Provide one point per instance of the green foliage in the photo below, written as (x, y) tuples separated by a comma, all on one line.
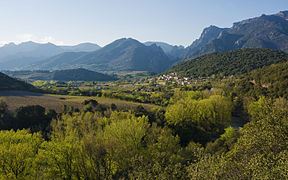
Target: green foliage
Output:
[(263, 140), (117, 145), (18, 151), (162, 158), (191, 138), (224, 143), (126, 132), (269, 81), (59, 157), (229, 63), (259, 153), (208, 116)]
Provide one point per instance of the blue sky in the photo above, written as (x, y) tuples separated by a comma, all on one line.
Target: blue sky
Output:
[(177, 22)]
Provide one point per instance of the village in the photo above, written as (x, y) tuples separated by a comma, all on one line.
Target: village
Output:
[(173, 77)]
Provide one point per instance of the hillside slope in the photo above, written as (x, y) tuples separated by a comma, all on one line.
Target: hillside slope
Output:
[(79, 75), (233, 62), (271, 81), (61, 75), (8, 83)]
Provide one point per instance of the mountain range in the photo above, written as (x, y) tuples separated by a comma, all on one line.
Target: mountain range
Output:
[(127, 54), (16, 56), (122, 55), (173, 52), (266, 31)]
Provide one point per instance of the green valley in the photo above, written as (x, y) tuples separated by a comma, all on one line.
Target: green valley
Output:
[(216, 109)]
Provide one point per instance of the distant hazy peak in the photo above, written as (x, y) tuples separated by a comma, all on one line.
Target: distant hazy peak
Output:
[(11, 44), (82, 47), (124, 42), (167, 48)]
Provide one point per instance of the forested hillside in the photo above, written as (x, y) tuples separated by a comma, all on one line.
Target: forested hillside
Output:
[(79, 74), (8, 83), (229, 63), (271, 81)]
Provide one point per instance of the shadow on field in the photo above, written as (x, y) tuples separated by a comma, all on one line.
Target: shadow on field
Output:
[(19, 93)]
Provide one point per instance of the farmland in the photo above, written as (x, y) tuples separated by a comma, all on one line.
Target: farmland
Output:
[(16, 99)]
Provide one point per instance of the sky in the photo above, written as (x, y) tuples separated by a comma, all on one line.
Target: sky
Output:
[(69, 22)]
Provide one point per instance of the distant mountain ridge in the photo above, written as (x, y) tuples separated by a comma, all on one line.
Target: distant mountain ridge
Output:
[(174, 52), (15, 56), (266, 31), (82, 47), (122, 55)]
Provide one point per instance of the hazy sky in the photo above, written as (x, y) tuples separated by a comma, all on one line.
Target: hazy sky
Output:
[(177, 22)]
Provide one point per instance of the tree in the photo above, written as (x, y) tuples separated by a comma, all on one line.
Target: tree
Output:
[(261, 151), (224, 143), (199, 120), (58, 158), (5, 116), (126, 133), (32, 117), (93, 102), (18, 151), (113, 107)]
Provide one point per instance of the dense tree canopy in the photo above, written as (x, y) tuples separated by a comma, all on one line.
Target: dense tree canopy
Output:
[(228, 63)]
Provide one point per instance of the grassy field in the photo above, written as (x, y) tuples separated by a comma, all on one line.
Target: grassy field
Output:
[(16, 99)]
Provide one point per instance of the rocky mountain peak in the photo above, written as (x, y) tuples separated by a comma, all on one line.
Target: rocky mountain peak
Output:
[(283, 14)]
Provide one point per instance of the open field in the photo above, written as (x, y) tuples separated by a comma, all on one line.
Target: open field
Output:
[(16, 99)]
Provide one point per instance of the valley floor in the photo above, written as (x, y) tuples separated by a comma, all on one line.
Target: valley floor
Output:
[(16, 99)]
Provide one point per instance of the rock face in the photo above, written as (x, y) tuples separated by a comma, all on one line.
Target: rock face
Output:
[(210, 33), (266, 31), (283, 14), (173, 52)]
